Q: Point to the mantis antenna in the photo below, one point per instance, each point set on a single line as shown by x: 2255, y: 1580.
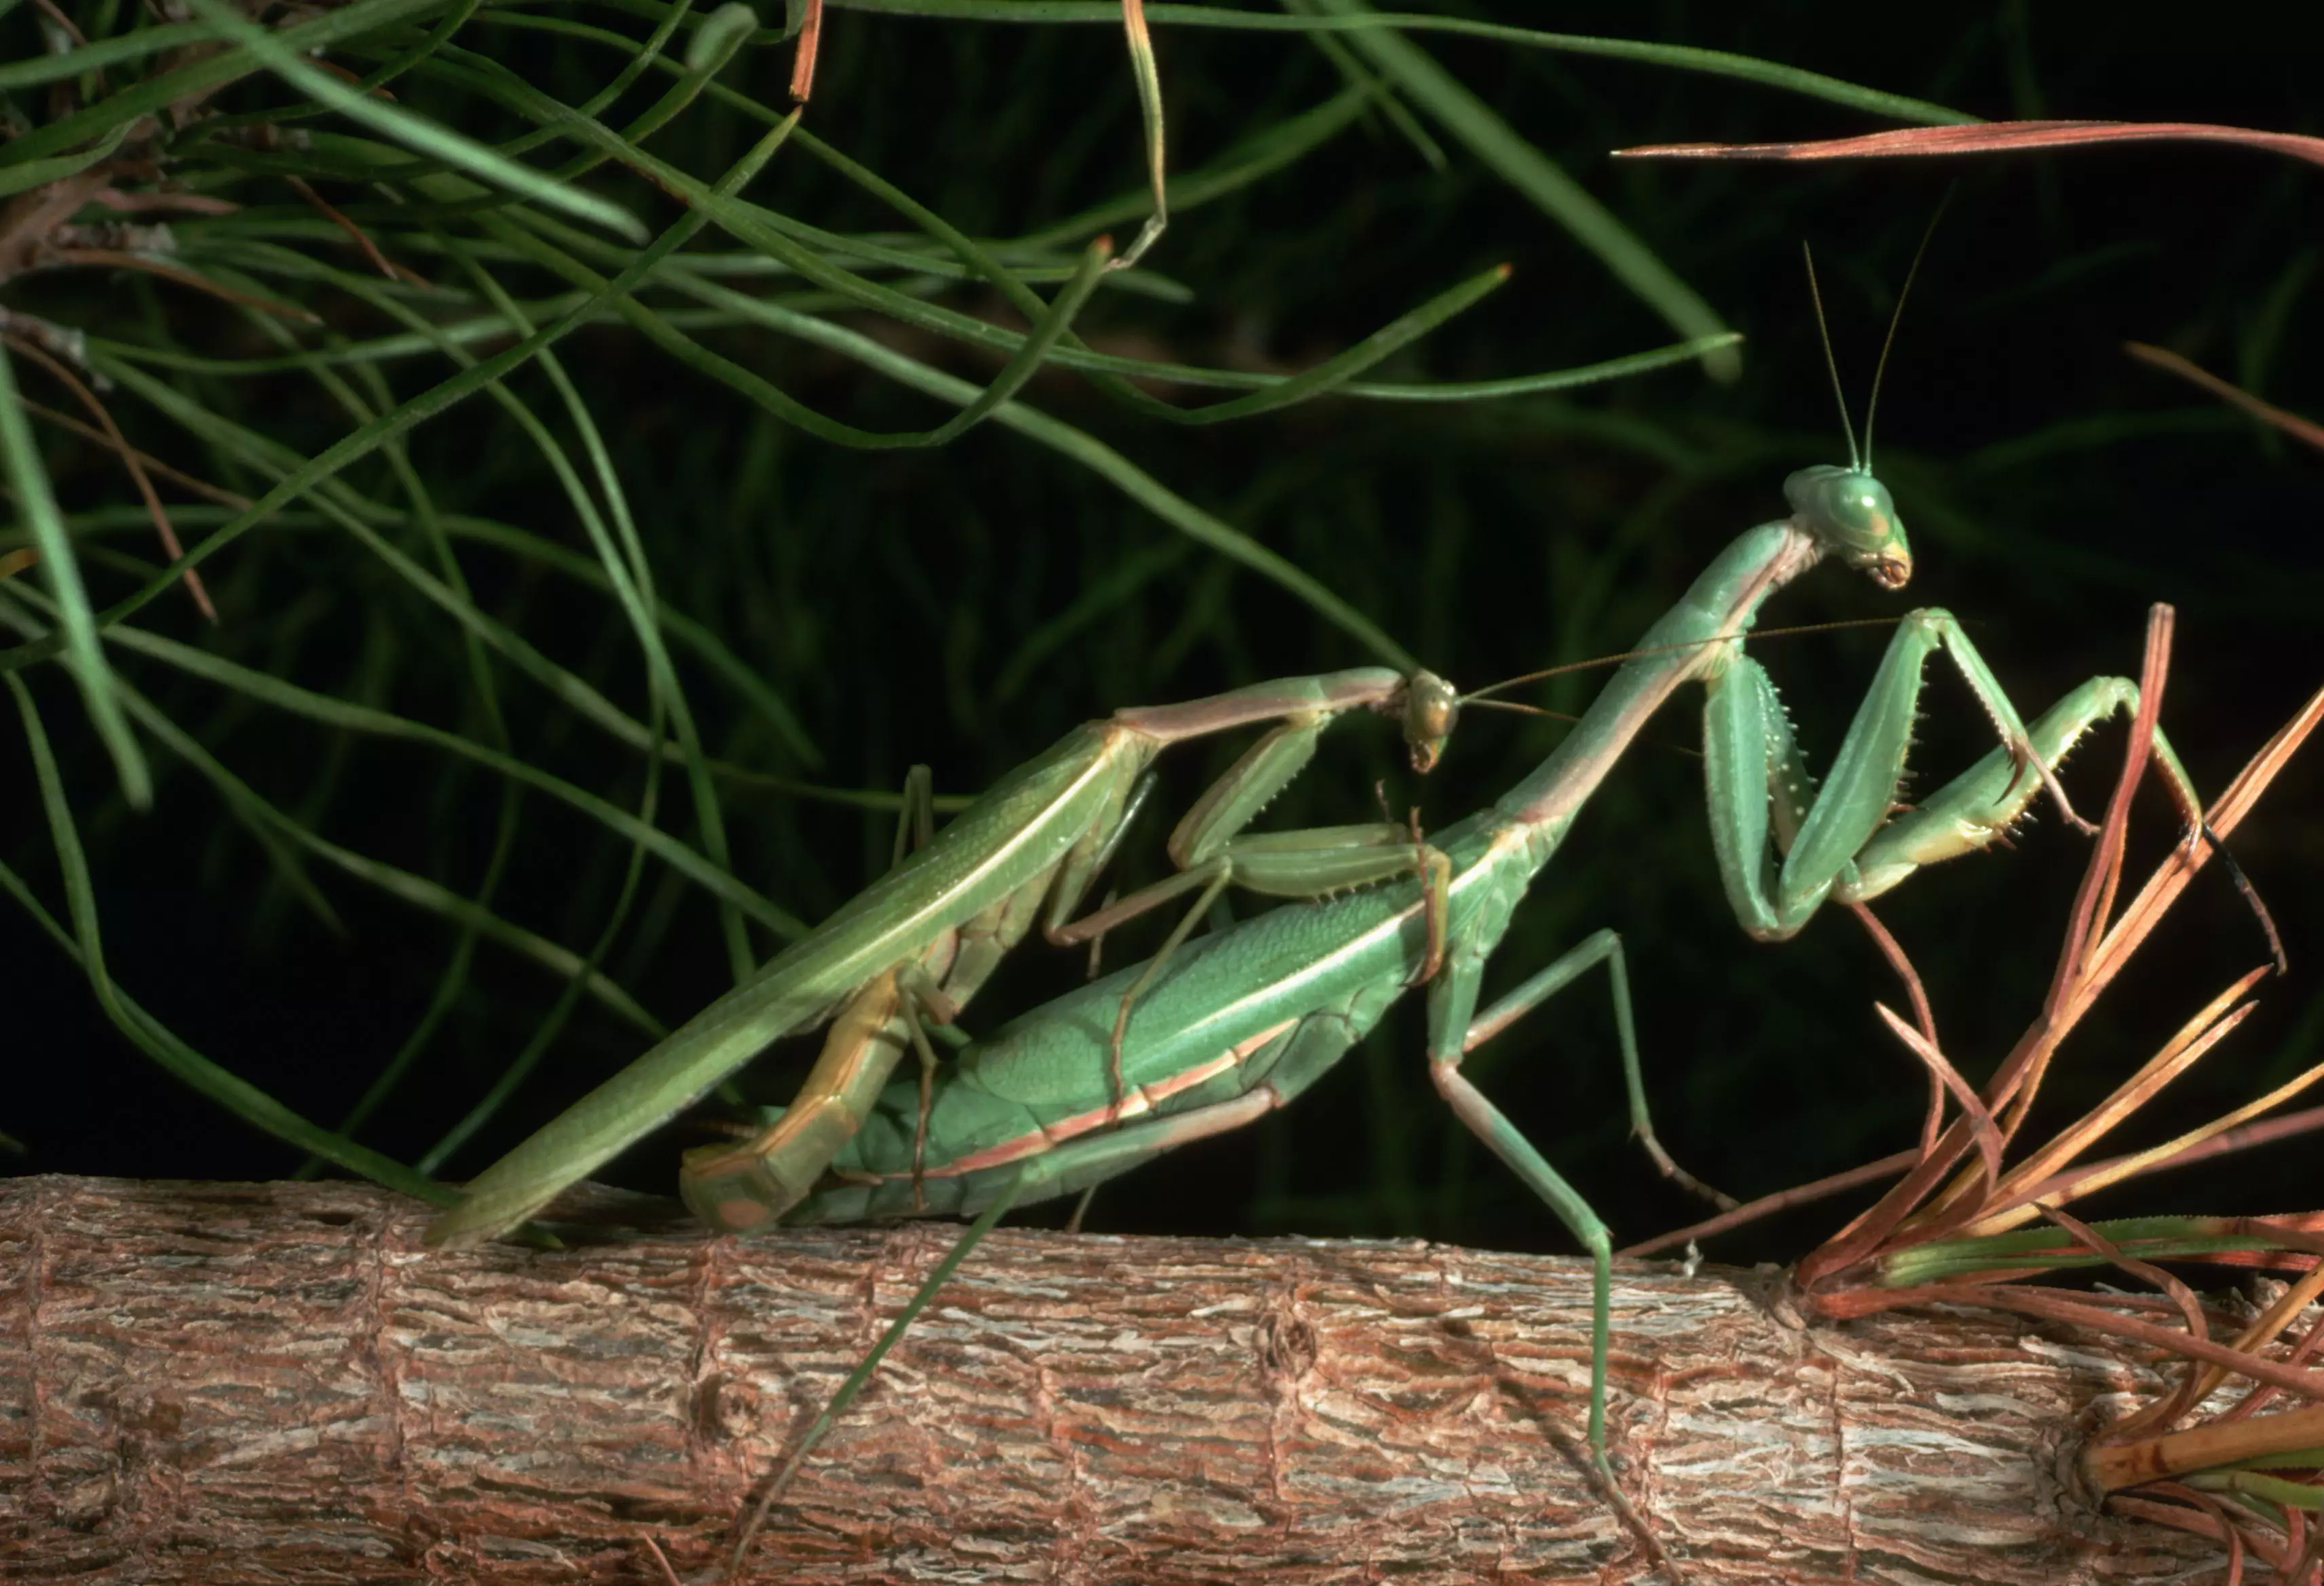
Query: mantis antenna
x: 1823, y: 330
x: 1880, y: 370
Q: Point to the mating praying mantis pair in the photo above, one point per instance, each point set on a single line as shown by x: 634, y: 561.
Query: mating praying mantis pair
x: 1242, y: 1021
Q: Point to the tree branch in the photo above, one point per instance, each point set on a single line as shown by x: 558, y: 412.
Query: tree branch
x: 227, y: 1383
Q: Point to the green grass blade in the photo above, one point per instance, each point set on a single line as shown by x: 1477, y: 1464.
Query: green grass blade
x: 85, y: 942
x: 101, y: 54
x: 1274, y: 148
x: 28, y: 482
x: 1054, y: 322
x: 1773, y: 74
x: 417, y: 891
x: 192, y: 81
x: 768, y: 707
x: 1541, y: 180
x: 1148, y: 80
x: 1097, y: 457
x: 34, y: 173
x: 366, y: 438
x: 1517, y: 385
x: 562, y: 684
x: 346, y: 715
x: 630, y: 575
x: 422, y: 136
x: 521, y: 1067
x: 1335, y: 372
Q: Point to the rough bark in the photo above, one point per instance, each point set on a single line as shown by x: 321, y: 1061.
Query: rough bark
x: 227, y: 1383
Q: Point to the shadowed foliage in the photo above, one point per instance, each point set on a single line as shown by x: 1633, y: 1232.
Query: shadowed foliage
x: 400, y: 790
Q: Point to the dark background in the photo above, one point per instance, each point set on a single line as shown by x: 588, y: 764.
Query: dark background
x: 2053, y: 489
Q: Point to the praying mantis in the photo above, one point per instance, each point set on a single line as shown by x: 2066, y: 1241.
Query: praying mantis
x: 1244, y: 1020
x: 924, y: 938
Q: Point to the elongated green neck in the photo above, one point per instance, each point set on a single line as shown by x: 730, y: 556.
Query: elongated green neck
x: 1720, y: 605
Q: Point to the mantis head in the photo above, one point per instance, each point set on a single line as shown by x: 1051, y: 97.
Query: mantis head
x: 1431, y: 707
x: 1850, y: 515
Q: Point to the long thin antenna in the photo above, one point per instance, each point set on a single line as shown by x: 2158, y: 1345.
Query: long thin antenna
x: 1484, y: 696
x: 1880, y: 370
x: 1825, y: 331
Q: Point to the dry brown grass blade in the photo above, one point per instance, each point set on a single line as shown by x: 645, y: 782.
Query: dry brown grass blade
x: 2020, y: 1071
x: 1983, y: 1132
x: 1923, y: 1013
x: 2192, y: 1040
x: 2162, y: 1412
x: 201, y: 283
x: 362, y: 239
x: 2114, y: 833
x: 2072, y: 1186
x: 69, y: 28
x: 1799, y: 1195
x: 2292, y: 424
x: 2181, y: 866
x: 811, y: 45
x: 661, y: 1559
x: 2058, y: 1305
x: 2176, y: 1453
x: 2226, y: 1142
x: 2312, y: 1552
x: 1749, y: 1212
x: 2094, y: 898
x: 143, y: 202
x: 2201, y: 1515
x: 2278, y: 1316
x: 145, y: 460
x: 64, y: 377
x: 1991, y: 137
x: 17, y: 560
x: 27, y: 222
x: 2084, y: 971
x: 1145, y: 73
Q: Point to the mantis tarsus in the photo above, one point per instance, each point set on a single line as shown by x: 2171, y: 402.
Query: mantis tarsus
x: 1243, y: 1020
x: 933, y: 929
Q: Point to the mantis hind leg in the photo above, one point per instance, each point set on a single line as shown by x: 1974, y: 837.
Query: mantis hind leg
x: 739, y: 1186
x: 1605, y: 947
x: 1451, y: 1002
x: 1507, y: 1141
x: 1455, y: 1029
x: 1086, y: 1160
x: 1451, y: 1033
x: 861, y: 1377
x: 748, y: 1184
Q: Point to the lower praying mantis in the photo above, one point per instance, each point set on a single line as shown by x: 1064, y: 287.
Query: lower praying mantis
x: 928, y: 934
x: 1243, y: 1020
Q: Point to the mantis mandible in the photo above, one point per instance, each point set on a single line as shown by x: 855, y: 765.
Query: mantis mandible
x: 940, y: 922
x: 1245, y: 1020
